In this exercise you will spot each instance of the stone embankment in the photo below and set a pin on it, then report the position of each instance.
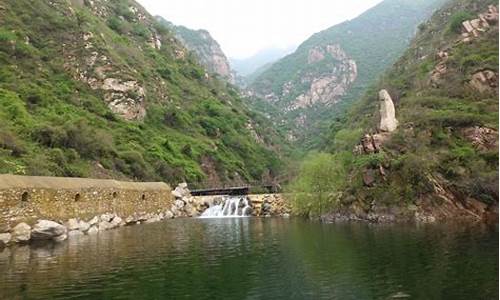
(35, 209)
(50, 208)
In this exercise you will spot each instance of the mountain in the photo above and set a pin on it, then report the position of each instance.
(422, 143)
(247, 66)
(337, 65)
(204, 46)
(101, 89)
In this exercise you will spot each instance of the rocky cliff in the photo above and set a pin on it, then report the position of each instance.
(427, 132)
(206, 48)
(337, 65)
(96, 88)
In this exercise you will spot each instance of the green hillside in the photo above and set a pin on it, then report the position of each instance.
(372, 41)
(442, 161)
(100, 89)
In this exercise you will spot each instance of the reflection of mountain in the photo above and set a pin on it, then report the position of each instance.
(258, 258)
(246, 66)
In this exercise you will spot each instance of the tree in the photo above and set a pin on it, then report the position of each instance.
(320, 178)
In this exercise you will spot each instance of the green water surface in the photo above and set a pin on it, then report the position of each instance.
(256, 258)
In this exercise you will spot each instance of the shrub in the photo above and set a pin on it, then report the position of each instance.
(455, 24)
(321, 176)
(141, 30)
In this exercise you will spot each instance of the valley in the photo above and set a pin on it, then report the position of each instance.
(140, 161)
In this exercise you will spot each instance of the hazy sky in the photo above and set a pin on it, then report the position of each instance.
(243, 27)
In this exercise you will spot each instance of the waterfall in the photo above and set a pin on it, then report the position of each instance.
(231, 207)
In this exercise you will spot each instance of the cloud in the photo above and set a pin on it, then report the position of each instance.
(243, 27)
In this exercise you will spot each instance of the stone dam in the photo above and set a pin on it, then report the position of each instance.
(55, 208)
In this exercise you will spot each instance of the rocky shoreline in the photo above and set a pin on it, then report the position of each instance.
(184, 206)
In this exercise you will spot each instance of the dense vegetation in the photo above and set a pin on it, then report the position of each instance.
(52, 122)
(375, 39)
(429, 150)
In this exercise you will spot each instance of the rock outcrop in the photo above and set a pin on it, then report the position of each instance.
(48, 230)
(371, 143)
(485, 81)
(206, 48)
(388, 121)
(327, 87)
(482, 138)
(473, 28)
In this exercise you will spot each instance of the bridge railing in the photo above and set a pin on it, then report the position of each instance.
(259, 188)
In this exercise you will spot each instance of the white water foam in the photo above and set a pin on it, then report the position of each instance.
(232, 207)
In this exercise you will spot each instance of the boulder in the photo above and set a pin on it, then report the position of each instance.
(104, 225)
(117, 221)
(21, 233)
(47, 230)
(94, 221)
(5, 239)
(83, 226)
(169, 215)
(107, 217)
(153, 219)
(191, 210)
(388, 122)
(60, 238)
(130, 220)
(368, 177)
(92, 230)
(181, 191)
(179, 204)
(73, 224)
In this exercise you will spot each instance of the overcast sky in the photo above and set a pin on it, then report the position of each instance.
(243, 27)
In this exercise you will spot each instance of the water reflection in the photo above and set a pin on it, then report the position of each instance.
(255, 258)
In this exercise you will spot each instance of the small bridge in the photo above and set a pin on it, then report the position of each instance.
(238, 190)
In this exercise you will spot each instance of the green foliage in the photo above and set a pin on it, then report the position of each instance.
(373, 40)
(430, 146)
(52, 124)
(346, 139)
(322, 176)
(457, 19)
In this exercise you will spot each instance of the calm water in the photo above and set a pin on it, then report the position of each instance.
(253, 258)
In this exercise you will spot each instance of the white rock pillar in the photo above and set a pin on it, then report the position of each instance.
(388, 122)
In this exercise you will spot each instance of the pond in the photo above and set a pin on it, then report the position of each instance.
(259, 258)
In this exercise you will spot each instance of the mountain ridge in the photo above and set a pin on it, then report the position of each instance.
(337, 64)
(101, 89)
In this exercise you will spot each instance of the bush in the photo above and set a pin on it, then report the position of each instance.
(9, 141)
(457, 19)
(321, 176)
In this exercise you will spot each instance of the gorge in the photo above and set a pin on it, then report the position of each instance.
(135, 163)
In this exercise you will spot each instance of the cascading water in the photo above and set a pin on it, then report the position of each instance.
(230, 207)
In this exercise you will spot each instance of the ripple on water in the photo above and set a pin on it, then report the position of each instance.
(252, 258)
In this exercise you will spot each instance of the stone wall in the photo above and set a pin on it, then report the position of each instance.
(27, 199)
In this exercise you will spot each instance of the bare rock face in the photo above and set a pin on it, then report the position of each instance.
(371, 143)
(485, 81)
(125, 98)
(388, 122)
(482, 138)
(473, 28)
(327, 87)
